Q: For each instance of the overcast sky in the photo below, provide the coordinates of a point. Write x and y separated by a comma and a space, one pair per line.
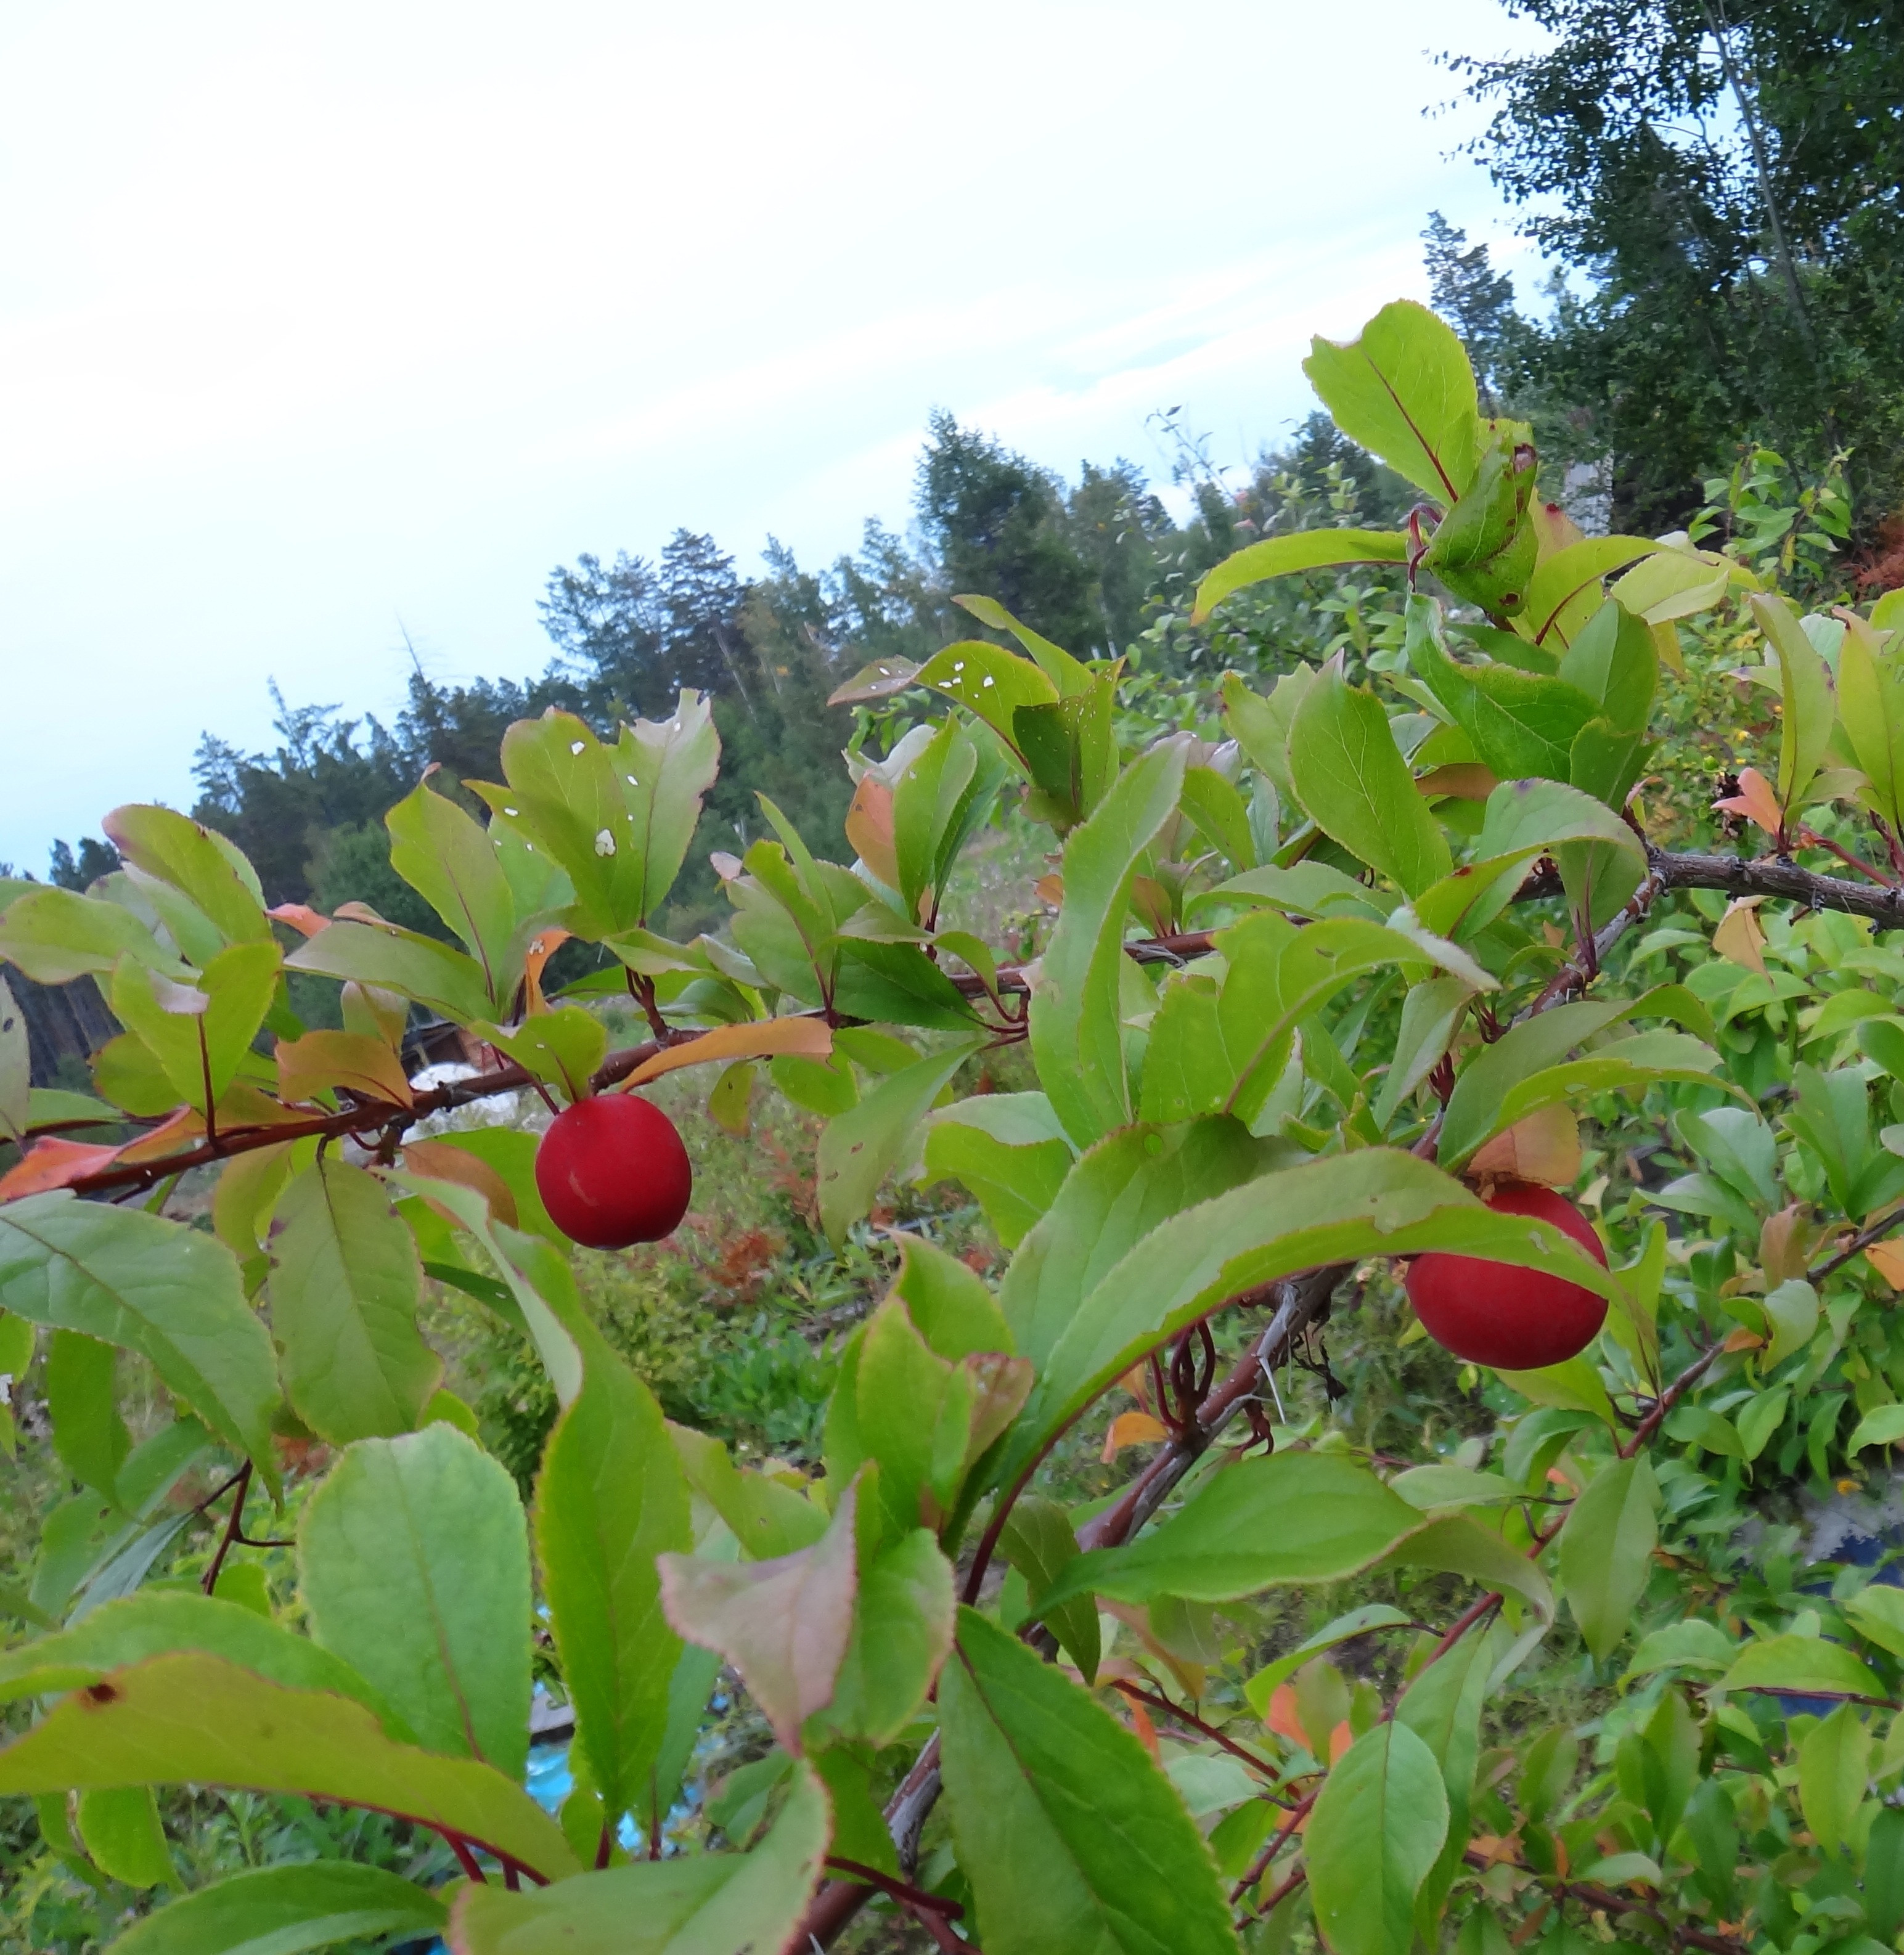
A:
322, 324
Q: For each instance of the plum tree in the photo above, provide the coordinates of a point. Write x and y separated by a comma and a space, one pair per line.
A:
1330, 962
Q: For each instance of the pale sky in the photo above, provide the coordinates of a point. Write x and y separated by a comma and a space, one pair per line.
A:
321, 323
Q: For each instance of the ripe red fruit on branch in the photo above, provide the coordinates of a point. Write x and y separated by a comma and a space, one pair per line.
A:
611, 1171
1499, 1314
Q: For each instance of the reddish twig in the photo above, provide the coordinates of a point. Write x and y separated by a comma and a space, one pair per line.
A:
1668, 1399
234, 1526
1278, 1840
1191, 1722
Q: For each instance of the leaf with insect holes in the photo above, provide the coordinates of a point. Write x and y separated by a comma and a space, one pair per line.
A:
196, 1719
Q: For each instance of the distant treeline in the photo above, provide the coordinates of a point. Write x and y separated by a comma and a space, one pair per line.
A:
1099, 565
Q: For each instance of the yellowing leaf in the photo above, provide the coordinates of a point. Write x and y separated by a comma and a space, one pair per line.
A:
759, 1039
1887, 1259
351, 1059
1739, 938
869, 828
1132, 1428
1755, 801
441, 1162
1545, 1146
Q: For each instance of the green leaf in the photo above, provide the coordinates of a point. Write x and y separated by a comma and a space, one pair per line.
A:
1117, 1193
1606, 1550
82, 1395
120, 1826
1076, 1029
1457, 1544
1221, 1047
902, 1632
1627, 1063
1484, 550
1807, 710
1074, 1842
389, 958
563, 1047
16, 1068
1008, 1151
196, 1719
1694, 1644
939, 801
1357, 1623
768, 1518
1523, 1051
198, 863
1871, 708
700, 1904
1308, 890
283, 1910
454, 866
1431, 1011
1569, 576
1877, 1614
54, 936
1803, 1665
784, 1625
345, 1287
1039, 1542
1070, 749
1522, 723
1375, 1202
169, 1293
1069, 675
1442, 1708
413, 1561
157, 1621
1350, 775
1614, 661
1405, 391
200, 1034
610, 1497
1219, 815
1261, 726
859, 1148
1834, 1765
1373, 1837
1293, 1517
994, 684
1882, 1425
1304, 549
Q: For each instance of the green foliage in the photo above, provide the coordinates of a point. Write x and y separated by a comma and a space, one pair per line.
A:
1311, 990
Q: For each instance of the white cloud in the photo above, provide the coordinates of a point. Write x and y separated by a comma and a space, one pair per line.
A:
312, 321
